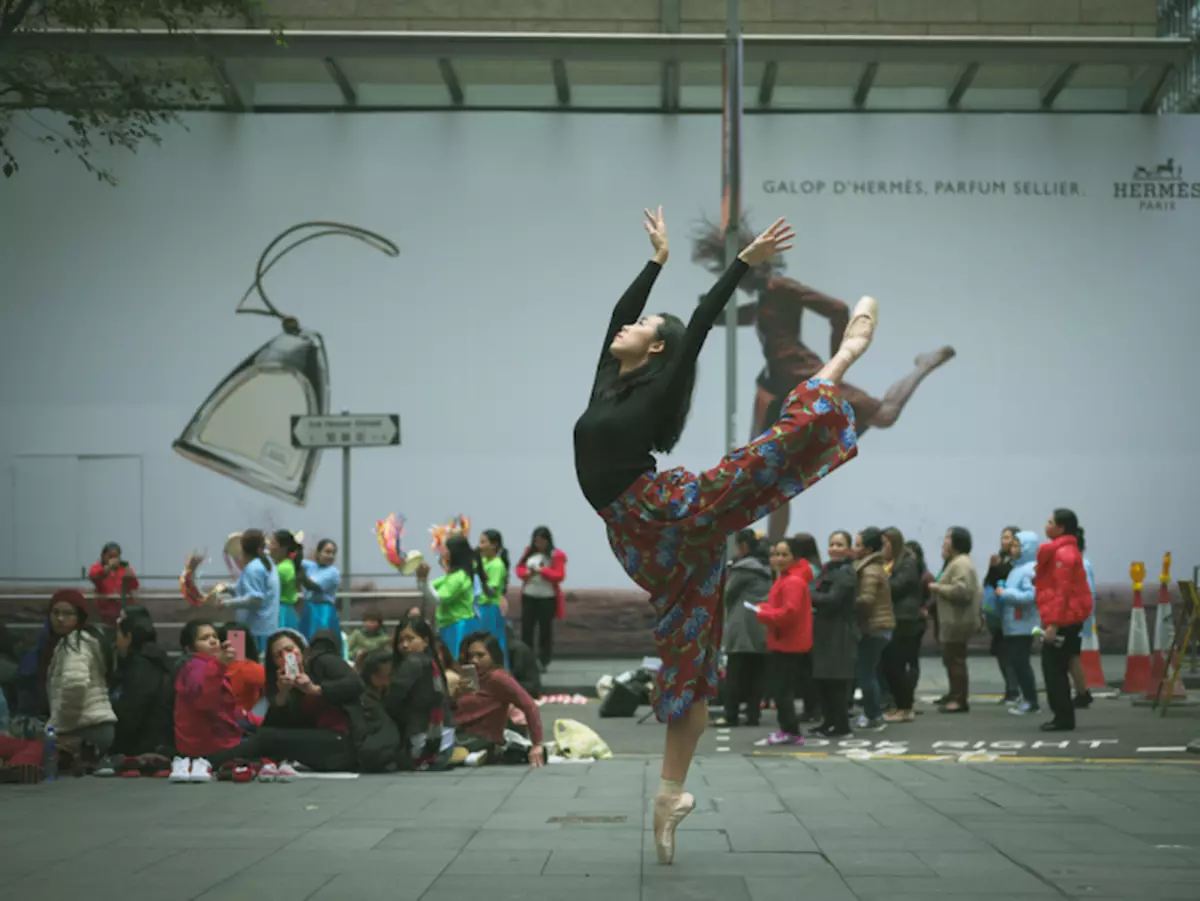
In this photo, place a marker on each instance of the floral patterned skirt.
(669, 531)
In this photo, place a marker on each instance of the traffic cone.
(1137, 653)
(1089, 655)
(1164, 639)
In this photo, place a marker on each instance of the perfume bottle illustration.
(243, 428)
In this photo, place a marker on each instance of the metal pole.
(731, 202)
(345, 515)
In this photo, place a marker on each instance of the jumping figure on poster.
(668, 529)
(777, 313)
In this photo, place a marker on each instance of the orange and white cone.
(1137, 653)
(1089, 656)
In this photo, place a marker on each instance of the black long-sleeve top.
(615, 434)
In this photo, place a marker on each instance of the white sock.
(669, 788)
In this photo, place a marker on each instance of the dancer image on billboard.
(777, 312)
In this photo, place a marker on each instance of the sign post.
(347, 431)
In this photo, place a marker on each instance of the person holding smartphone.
(115, 582)
(482, 715)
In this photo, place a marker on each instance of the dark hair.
(190, 631)
(110, 546)
(539, 532)
(494, 536)
(489, 641)
(422, 629)
(254, 544)
(373, 615)
(461, 554)
(324, 543)
(373, 662)
(251, 645)
(1069, 523)
(849, 538)
(708, 249)
(755, 546)
(872, 539)
(292, 548)
(804, 547)
(135, 622)
(895, 538)
(918, 552)
(960, 539)
(671, 414)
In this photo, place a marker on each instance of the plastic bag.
(579, 742)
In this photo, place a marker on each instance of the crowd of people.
(271, 688)
(798, 627)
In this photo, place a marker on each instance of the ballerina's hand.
(775, 239)
(656, 227)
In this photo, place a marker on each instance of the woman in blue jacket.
(256, 600)
(1017, 609)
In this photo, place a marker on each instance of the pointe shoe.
(668, 814)
(861, 329)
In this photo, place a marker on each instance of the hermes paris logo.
(1157, 188)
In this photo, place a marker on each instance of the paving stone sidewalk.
(764, 830)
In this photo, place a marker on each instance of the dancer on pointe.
(669, 529)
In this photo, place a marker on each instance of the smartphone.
(471, 675)
(751, 607)
(291, 664)
(237, 641)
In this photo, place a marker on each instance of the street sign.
(347, 430)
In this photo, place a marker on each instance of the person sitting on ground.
(482, 715)
(206, 707)
(77, 686)
(376, 737)
(417, 697)
(142, 688)
(524, 663)
(371, 637)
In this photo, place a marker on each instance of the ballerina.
(668, 529)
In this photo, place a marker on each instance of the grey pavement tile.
(709, 840)
(560, 839)
(425, 861)
(400, 886)
(878, 863)
(898, 840)
(770, 839)
(418, 839)
(886, 888)
(498, 863)
(1066, 871)
(266, 885)
(820, 820)
(681, 885)
(203, 869)
(214, 839)
(774, 888)
(983, 864)
(691, 862)
(599, 862)
(1128, 889)
(522, 888)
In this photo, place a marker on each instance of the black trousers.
(537, 614)
(745, 682)
(835, 702)
(785, 671)
(318, 749)
(806, 688)
(1011, 685)
(902, 668)
(1017, 651)
(1056, 671)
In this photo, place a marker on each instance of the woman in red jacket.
(788, 616)
(541, 570)
(115, 581)
(1064, 601)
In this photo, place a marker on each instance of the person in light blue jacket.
(321, 581)
(256, 600)
(1017, 607)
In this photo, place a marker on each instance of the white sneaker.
(268, 773)
(286, 772)
(181, 770)
(475, 759)
(201, 771)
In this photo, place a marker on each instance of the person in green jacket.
(287, 552)
(452, 595)
(493, 583)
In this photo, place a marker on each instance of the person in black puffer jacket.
(142, 688)
(902, 658)
(835, 635)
